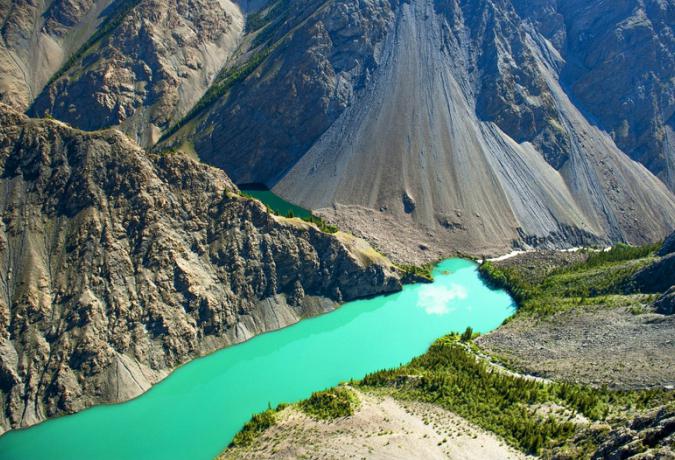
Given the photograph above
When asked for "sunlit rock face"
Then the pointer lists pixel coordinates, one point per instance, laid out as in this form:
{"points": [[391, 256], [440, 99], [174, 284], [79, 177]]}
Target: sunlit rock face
{"points": [[465, 125]]}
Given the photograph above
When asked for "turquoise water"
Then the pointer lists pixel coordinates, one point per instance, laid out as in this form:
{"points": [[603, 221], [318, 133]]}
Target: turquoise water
{"points": [[275, 202], [196, 411]]}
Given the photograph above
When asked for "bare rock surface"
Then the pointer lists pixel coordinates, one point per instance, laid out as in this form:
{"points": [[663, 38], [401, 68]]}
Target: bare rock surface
{"points": [[647, 436], [148, 71], [658, 277], [117, 265], [38, 37], [666, 303], [615, 347], [668, 245], [451, 118]]}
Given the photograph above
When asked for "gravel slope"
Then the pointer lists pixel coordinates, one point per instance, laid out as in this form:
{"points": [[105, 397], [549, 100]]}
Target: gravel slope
{"points": [[382, 428]]}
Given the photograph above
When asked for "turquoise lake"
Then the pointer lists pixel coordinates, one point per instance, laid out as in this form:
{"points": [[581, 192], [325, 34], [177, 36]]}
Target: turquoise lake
{"points": [[275, 202], [195, 412]]}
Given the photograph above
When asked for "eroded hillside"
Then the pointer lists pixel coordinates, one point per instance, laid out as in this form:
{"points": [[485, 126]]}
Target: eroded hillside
{"points": [[118, 265]]}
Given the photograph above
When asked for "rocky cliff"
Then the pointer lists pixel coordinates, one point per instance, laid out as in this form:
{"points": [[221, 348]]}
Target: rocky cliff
{"points": [[148, 68], [38, 37], [117, 265]]}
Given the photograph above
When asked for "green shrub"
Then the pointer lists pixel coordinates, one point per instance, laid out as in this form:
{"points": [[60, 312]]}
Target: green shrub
{"points": [[330, 404], [416, 273], [450, 375], [620, 252], [603, 278], [323, 225], [258, 423], [508, 279]]}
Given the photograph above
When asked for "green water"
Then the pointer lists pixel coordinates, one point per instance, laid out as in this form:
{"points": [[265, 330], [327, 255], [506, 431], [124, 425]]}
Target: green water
{"points": [[276, 203], [196, 411]]}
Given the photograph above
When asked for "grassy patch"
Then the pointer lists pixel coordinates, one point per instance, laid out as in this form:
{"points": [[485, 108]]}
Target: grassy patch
{"points": [[416, 273], [330, 404], [602, 279], [258, 423]]}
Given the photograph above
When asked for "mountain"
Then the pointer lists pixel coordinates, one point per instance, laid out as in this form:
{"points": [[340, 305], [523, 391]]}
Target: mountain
{"points": [[436, 125], [136, 64], [454, 124], [117, 265], [37, 37]]}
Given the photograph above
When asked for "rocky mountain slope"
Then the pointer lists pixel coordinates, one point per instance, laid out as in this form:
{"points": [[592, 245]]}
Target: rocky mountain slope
{"points": [[146, 64], [450, 125], [117, 265], [460, 124], [38, 37]]}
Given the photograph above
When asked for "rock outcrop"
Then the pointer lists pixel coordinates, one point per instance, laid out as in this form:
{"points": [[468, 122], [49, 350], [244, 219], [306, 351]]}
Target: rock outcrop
{"points": [[38, 37], [648, 436], [149, 70], [452, 125], [666, 303], [668, 246], [619, 63], [117, 265], [657, 277]]}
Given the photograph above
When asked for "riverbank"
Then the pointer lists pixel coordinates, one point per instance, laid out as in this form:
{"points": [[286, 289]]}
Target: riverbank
{"points": [[203, 404], [584, 324], [454, 391], [585, 318], [382, 427]]}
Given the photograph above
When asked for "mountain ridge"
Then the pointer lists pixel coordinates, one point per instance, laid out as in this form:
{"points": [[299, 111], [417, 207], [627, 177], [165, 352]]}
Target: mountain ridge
{"points": [[118, 265], [466, 126]]}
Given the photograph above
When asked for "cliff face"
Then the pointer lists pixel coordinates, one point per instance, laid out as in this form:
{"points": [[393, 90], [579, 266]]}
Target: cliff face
{"points": [[449, 124], [148, 70], [117, 265], [619, 65]]}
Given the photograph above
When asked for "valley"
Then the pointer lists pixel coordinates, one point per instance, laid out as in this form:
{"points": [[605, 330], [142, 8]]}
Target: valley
{"points": [[337, 229], [582, 370], [194, 411]]}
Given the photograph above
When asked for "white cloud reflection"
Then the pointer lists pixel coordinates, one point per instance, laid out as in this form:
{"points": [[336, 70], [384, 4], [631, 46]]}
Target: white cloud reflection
{"points": [[435, 299]]}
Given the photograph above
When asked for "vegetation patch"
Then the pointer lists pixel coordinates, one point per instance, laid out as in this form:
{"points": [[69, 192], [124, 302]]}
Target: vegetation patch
{"points": [[322, 224], [306, 216], [330, 404], [252, 429], [114, 20], [529, 414], [601, 279], [227, 78], [621, 252], [278, 12], [416, 273]]}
